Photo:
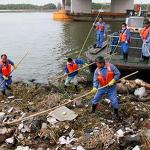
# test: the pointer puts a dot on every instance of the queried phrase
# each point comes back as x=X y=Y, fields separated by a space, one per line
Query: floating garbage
x=2 y=114
x=140 y=92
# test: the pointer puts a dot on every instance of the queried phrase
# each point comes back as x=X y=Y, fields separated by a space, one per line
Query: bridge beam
x=81 y=6
x=120 y=6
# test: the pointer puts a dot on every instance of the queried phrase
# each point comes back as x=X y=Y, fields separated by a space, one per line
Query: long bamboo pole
x=51 y=109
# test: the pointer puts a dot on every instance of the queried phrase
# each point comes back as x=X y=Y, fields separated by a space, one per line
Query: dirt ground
x=99 y=131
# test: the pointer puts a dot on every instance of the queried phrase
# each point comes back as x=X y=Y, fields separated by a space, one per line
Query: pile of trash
x=73 y=127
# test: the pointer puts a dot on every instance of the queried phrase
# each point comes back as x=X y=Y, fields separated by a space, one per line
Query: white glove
x=126 y=42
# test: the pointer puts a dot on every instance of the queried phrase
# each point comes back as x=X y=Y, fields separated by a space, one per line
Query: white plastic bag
x=140 y=92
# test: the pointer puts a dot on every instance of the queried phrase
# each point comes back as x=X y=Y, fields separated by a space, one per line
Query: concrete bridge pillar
x=81 y=6
x=120 y=6
x=63 y=4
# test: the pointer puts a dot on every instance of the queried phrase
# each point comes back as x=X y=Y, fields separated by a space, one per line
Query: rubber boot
x=76 y=88
x=3 y=93
x=126 y=57
x=94 y=108
x=116 y=114
x=65 y=87
x=8 y=87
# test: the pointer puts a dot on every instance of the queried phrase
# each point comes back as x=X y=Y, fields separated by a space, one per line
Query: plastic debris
x=10 y=140
x=23 y=148
x=63 y=113
x=2 y=114
x=136 y=148
x=80 y=148
x=140 y=92
x=120 y=133
x=52 y=120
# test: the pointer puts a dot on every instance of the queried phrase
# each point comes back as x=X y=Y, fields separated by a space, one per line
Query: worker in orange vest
x=101 y=31
x=125 y=40
x=5 y=73
x=105 y=74
x=71 y=71
x=145 y=35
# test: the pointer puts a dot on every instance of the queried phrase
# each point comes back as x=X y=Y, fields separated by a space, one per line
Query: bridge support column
x=120 y=6
x=63 y=4
x=81 y=6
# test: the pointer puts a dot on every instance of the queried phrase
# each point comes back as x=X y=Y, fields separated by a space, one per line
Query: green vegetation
x=27 y=6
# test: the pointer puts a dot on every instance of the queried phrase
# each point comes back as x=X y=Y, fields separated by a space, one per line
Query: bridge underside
x=85 y=6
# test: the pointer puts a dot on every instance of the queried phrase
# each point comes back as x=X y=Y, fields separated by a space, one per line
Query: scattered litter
x=80 y=148
x=10 y=110
x=52 y=120
x=140 y=92
x=10 y=140
x=120 y=133
x=2 y=114
x=23 y=148
x=63 y=113
x=136 y=148
x=11 y=97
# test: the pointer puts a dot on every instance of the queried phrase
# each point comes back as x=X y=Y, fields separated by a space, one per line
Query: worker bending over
x=101 y=29
x=145 y=35
x=125 y=39
x=5 y=73
x=71 y=71
x=105 y=74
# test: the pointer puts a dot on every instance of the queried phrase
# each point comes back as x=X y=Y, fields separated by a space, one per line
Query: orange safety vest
x=109 y=76
x=145 y=32
x=100 y=27
x=123 y=37
x=72 y=67
x=6 y=69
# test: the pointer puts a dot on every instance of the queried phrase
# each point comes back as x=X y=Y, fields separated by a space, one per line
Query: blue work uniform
x=100 y=33
x=5 y=82
x=125 y=44
x=146 y=47
x=111 y=91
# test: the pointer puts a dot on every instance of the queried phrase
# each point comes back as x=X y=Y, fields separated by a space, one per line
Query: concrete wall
x=81 y=6
x=121 y=5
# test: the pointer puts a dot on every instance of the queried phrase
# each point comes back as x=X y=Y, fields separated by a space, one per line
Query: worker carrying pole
x=105 y=74
x=5 y=73
x=101 y=31
x=71 y=71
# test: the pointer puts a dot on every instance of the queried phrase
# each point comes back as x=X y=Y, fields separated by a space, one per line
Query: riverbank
x=99 y=131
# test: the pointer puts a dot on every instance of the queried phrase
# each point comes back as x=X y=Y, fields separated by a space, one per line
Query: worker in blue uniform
x=71 y=70
x=125 y=40
x=106 y=74
x=145 y=35
x=101 y=31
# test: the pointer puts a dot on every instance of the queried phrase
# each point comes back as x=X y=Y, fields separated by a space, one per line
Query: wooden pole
x=51 y=109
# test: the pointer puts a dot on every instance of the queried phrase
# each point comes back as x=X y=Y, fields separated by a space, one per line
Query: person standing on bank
x=145 y=35
x=101 y=30
x=105 y=74
x=125 y=40
x=5 y=73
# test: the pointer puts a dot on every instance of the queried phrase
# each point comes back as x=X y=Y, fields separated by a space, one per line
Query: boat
x=113 y=50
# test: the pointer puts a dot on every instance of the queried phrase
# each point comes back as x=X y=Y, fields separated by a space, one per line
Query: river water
x=47 y=41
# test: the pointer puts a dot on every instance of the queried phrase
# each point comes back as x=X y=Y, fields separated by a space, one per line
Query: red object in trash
x=147 y=126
